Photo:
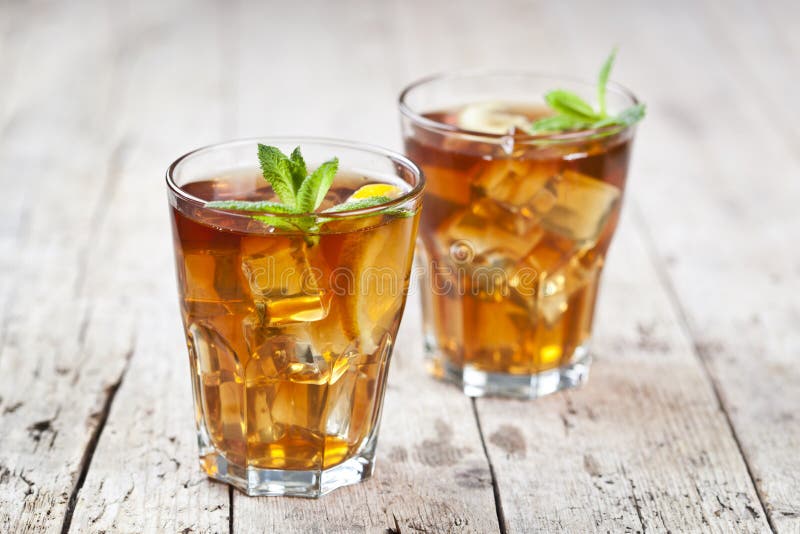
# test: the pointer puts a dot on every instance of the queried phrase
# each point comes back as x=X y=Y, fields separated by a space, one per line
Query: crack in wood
x=230 y=509
x=29 y=483
x=11 y=408
x=636 y=505
x=501 y=520
x=699 y=349
x=91 y=447
x=37 y=430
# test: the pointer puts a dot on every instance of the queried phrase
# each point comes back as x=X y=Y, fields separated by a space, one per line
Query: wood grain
x=143 y=475
x=643 y=447
x=689 y=420
x=60 y=355
x=725 y=162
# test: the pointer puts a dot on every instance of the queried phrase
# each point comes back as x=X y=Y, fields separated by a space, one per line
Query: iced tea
x=289 y=333
x=515 y=231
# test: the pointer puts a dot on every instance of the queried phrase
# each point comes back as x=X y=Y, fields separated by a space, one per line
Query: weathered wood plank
x=746 y=328
x=143 y=475
x=643 y=447
x=549 y=475
x=720 y=212
x=53 y=380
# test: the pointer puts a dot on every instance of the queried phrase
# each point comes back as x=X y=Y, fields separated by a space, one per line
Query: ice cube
x=519 y=183
x=283 y=283
x=346 y=372
x=261 y=386
x=582 y=207
x=448 y=185
x=499 y=275
x=343 y=362
x=551 y=252
x=559 y=285
x=491 y=330
x=340 y=402
x=538 y=273
x=488 y=225
x=293 y=358
x=488 y=276
x=210 y=283
x=220 y=379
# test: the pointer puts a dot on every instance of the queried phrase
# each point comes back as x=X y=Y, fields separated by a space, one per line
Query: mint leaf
x=284 y=223
x=571 y=105
x=250 y=205
x=602 y=81
x=313 y=190
x=298 y=169
x=557 y=123
x=358 y=204
x=574 y=113
x=298 y=192
x=277 y=170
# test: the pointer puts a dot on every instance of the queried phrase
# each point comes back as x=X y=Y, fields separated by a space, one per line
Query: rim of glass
x=411 y=194
x=407 y=111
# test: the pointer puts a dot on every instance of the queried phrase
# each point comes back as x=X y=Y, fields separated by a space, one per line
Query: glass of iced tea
x=290 y=316
x=515 y=228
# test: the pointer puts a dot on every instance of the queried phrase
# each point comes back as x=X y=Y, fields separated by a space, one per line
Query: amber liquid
x=289 y=336
x=515 y=236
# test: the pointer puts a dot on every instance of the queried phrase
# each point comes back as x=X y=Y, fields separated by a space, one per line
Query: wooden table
x=690 y=420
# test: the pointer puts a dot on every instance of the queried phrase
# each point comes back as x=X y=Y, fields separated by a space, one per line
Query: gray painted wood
x=59 y=356
x=144 y=474
x=711 y=147
x=689 y=421
x=643 y=447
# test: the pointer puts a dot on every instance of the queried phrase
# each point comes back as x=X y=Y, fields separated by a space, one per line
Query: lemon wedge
x=492 y=117
x=379 y=260
x=376 y=190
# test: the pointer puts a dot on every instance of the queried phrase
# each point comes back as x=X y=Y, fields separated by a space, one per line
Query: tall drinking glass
x=515 y=229
x=290 y=332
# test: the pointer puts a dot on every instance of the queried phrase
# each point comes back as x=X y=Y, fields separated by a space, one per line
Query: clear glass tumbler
x=515 y=229
x=290 y=332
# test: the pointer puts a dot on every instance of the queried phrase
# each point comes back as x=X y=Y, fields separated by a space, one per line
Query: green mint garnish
x=250 y=205
x=574 y=113
x=289 y=178
x=299 y=192
x=358 y=204
x=313 y=188
x=363 y=203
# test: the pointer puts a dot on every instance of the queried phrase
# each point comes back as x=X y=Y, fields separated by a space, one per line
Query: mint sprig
x=313 y=189
x=299 y=193
x=358 y=204
x=574 y=113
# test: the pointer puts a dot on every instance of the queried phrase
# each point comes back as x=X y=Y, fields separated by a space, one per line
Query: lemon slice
x=492 y=117
x=379 y=260
x=376 y=190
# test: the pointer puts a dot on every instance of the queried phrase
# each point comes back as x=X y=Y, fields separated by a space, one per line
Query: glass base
x=256 y=481
x=478 y=383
